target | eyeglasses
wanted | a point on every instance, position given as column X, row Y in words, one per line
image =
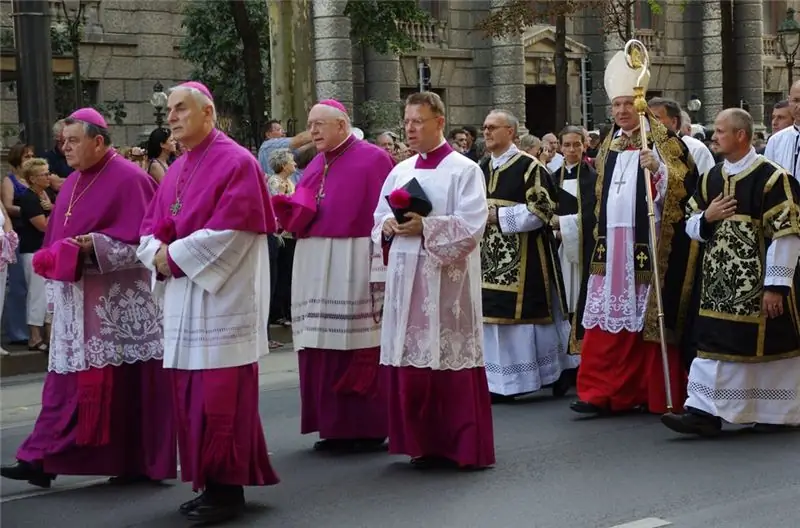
column 416, row 123
column 492, row 128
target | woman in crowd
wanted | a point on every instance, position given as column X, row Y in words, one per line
column 160, row 149
column 283, row 166
column 34, row 206
column 8, row 249
column 13, row 185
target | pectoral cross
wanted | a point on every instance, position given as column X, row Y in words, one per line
column 620, row 182
column 642, row 258
column 175, row 208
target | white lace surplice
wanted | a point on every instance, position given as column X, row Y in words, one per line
column 614, row 302
column 107, row 318
column 217, row 315
column 432, row 310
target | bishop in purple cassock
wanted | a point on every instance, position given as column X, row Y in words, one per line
column 106, row 403
column 205, row 240
column 337, row 285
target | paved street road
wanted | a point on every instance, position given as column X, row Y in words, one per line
column 553, row 471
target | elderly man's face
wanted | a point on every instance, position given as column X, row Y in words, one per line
column 327, row 131
column 80, row 150
column 186, row 116
column 386, row 142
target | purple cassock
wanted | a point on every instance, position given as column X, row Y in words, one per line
column 106, row 403
column 337, row 291
column 213, row 212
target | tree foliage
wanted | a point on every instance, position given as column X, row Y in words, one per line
column 374, row 24
column 214, row 48
column 516, row 15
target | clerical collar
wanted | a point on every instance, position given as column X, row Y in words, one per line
column 100, row 163
column 736, row 167
column 432, row 158
column 630, row 133
column 341, row 146
column 200, row 148
column 571, row 166
column 505, row 156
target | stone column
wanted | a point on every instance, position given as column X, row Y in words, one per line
column 508, row 73
column 747, row 30
column 303, row 60
column 382, row 87
column 332, row 54
column 712, row 60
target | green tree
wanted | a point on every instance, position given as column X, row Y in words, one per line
column 374, row 23
column 225, row 45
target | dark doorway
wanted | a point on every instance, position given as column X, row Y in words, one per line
column 540, row 109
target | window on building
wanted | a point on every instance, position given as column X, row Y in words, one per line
column 643, row 16
column 436, row 8
column 65, row 95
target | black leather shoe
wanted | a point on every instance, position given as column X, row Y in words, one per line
column 501, row 398
column 218, row 504
column 188, row 506
column 561, row 387
column 22, row 470
column 694, row 424
column 582, row 407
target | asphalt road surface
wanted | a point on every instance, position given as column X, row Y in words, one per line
column 554, row 471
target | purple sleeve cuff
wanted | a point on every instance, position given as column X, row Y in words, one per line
column 177, row 272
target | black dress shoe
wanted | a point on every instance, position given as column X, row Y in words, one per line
column 694, row 424
column 190, row 505
column 218, row 504
column 501, row 398
column 774, row 428
column 22, row 470
column 561, row 387
column 582, row 407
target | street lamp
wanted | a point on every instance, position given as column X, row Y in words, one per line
column 159, row 102
column 789, row 39
column 694, row 104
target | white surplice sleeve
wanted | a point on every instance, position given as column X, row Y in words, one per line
column 693, row 224
column 660, row 178
column 451, row 238
column 517, row 219
column 782, row 257
column 382, row 211
column 570, row 226
column 209, row 257
column 146, row 252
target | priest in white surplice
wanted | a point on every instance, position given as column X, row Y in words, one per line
column 668, row 112
column 432, row 339
column 783, row 147
column 621, row 366
column 526, row 331
column 205, row 239
column 746, row 211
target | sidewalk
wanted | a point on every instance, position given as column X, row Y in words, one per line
column 21, row 396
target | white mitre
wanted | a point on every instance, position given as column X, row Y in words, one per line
column 620, row 79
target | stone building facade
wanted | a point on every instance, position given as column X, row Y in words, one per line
column 128, row 46
column 722, row 52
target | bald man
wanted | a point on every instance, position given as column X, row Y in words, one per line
column 747, row 332
column 550, row 141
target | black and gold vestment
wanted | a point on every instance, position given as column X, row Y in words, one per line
column 677, row 254
column 731, row 324
column 519, row 269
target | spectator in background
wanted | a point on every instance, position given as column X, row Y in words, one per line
column 781, row 116
column 59, row 168
column 686, row 124
column 472, row 147
column 554, row 158
column 160, row 148
column 276, row 139
column 530, row 144
column 8, row 250
column 283, row 165
column 35, row 205
column 459, row 141
column 386, row 141
column 13, row 185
